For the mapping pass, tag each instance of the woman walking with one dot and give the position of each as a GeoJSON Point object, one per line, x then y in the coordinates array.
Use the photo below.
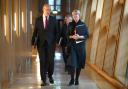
{"type": "Point", "coordinates": [77, 35]}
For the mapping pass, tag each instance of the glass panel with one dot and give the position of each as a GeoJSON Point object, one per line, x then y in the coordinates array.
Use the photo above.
{"type": "Point", "coordinates": [51, 2]}
{"type": "Point", "coordinates": [58, 2]}
{"type": "Point", "coordinates": [0, 8]}
{"type": "Point", "coordinates": [52, 8]}
{"type": "Point", "coordinates": [58, 8]}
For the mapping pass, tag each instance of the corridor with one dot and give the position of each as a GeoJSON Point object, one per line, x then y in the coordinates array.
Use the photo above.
{"type": "Point", "coordinates": [106, 48]}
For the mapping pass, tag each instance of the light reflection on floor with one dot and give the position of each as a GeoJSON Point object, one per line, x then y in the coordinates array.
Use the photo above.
{"type": "Point", "coordinates": [58, 56]}
{"type": "Point", "coordinates": [38, 68]}
{"type": "Point", "coordinates": [32, 80]}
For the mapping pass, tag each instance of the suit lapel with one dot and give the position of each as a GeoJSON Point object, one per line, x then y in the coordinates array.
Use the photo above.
{"type": "Point", "coordinates": [49, 20]}
{"type": "Point", "coordinates": [41, 22]}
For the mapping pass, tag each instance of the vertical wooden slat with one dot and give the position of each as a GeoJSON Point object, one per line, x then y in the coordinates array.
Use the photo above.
{"type": "Point", "coordinates": [91, 27]}
{"type": "Point", "coordinates": [88, 11]}
{"type": "Point", "coordinates": [113, 32]}
{"type": "Point", "coordinates": [106, 13]}
{"type": "Point", "coordinates": [101, 47]}
{"type": "Point", "coordinates": [95, 42]}
{"type": "Point", "coordinates": [122, 57]}
{"type": "Point", "coordinates": [96, 32]}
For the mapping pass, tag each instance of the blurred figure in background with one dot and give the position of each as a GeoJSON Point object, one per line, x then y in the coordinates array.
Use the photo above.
{"type": "Point", "coordinates": [63, 39]}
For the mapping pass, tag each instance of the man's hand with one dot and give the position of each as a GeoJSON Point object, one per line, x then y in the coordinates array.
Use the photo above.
{"type": "Point", "coordinates": [34, 51]}
{"type": "Point", "coordinates": [33, 46]}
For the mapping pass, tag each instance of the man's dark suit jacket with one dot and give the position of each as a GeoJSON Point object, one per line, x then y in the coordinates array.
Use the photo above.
{"type": "Point", "coordinates": [50, 34]}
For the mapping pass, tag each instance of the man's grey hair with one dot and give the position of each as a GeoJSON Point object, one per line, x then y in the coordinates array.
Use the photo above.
{"type": "Point", "coordinates": [46, 5]}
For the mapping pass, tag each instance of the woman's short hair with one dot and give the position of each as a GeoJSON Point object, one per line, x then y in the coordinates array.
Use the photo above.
{"type": "Point", "coordinates": [76, 11]}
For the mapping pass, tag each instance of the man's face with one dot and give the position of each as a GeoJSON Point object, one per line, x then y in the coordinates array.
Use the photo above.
{"type": "Point", "coordinates": [67, 20]}
{"type": "Point", "coordinates": [46, 10]}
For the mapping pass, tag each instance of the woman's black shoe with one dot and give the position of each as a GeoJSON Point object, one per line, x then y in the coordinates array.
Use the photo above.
{"type": "Point", "coordinates": [71, 82]}
{"type": "Point", "coordinates": [77, 82]}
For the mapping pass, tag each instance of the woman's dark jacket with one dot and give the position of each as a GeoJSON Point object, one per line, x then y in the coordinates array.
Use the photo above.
{"type": "Point", "coordinates": [78, 52]}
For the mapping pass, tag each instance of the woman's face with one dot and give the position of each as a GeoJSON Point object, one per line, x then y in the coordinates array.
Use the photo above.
{"type": "Point", "coordinates": [75, 16]}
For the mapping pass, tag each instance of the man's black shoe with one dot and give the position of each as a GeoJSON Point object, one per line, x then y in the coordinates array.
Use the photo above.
{"type": "Point", "coordinates": [51, 80]}
{"type": "Point", "coordinates": [44, 84]}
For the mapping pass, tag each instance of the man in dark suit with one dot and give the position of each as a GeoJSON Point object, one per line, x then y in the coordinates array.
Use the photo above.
{"type": "Point", "coordinates": [46, 34]}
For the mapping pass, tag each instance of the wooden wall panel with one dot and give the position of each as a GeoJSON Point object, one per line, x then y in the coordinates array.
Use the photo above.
{"type": "Point", "coordinates": [0, 44]}
{"type": "Point", "coordinates": [94, 42]}
{"type": "Point", "coordinates": [126, 76]}
{"type": "Point", "coordinates": [112, 36]}
{"type": "Point", "coordinates": [106, 13]}
{"type": "Point", "coordinates": [110, 56]}
{"type": "Point", "coordinates": [88, 47]}
{"type": "Point", "coordinates": [4, 43]}
{"type": "Point", "coordinates": [122, 57]}
{"type": "Point", "coordinates": [88, 12]}
{"type": "Point", "coordinates": [101, 48]}
{"type": "Point", "coordinates": [99, 10]}
{"type": "Point", "coordinates": [10, 49]}
{"type": "Point", "coordinates": [92, 22]}
{"type": "Point", "coordinates": [0, 30]}
{"type": "Point", "coordinates": [91, 27]}
{"type": "Point", "coordinates": [84, 10]}
{"type": "Point", "coordinates": [14, 50]}
{"type": "Point", "coordinates": [94, 6]}
{"type": "Point", "coordinates": [121, 71]}
{"type": "Point", "coordinates": [81, 6]}
{"type": "Point", "coordinates": [97, 29]}
{"type": "Point", "coordinates": [109, 49]}
{"type": "Point", "coordinates": [92, 16]}
{"type": "Point", "coordinates": [115, 20]}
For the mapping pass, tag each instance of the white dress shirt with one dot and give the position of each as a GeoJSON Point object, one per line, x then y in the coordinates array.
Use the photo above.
{"type": "Point", "coordinates": [44, 19]}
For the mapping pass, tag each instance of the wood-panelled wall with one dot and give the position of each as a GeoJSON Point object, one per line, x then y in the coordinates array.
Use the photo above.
{"type": "Point", "coordinates": [15, 37]}
{"type": "Point", "coordinates": [107, 47]}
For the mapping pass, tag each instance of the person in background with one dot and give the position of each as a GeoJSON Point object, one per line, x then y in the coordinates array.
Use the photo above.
{"type": "Point", "coordinates": [77, 35]}
{"type": "Point", "coordinates": [46, 34]}
{"type": "Point", "coordinates": [63, 34]}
